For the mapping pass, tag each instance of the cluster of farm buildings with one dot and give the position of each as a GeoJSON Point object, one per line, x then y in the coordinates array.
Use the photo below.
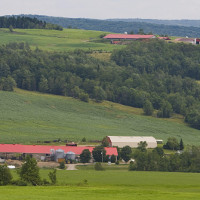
{"type": "Point", "coordinates": [60, 153]}
{"type": "Point", "coordinates": [120, 38]}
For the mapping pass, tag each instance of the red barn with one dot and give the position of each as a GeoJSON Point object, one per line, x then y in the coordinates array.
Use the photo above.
{"type": "Point", "coordinates": [39, 151]}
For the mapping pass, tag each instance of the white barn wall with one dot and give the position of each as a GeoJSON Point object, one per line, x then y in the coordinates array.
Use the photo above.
{"type": "Point", "coordinates": [133, 141]}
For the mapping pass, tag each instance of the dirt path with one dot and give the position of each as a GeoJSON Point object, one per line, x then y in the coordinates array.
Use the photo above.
{"type": "Point", "coordinates": [71, 167]}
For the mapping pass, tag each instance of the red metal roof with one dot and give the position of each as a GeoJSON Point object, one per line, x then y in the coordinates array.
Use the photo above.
{"type": "Point", "coordinates": [43, 149]}
{"type": "Point", "coordinates": [128, 36]}
{"type": "Point", "coordinates": [164, 38]}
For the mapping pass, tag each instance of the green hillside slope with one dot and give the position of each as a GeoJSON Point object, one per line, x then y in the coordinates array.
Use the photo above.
{"type": "Point", "coordinates": [27, 117]}
{"type": "Point", "coordinates": [68, 39]}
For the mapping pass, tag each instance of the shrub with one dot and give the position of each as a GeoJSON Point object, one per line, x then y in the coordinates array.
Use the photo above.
{"type": "Point", "coordinates": [19, 182]}
{"type": "Point", "coordinates": [98, 167]}
{"type": "Point", "coordinates": [117, 162]}
{"type": "Point", "coordinates": [132, 166]}
{"type": "Point", "coordinates": [62, 165]}
{"type": "Point", "coordinates": [52, 176]}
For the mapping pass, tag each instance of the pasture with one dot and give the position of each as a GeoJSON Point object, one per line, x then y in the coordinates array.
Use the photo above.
{"type": "Point", "coordinates": [111, 184]}
{"type": "Point", "coordinates": [52, 40]}
{"type": "Point", "coordinates": [27, 117]}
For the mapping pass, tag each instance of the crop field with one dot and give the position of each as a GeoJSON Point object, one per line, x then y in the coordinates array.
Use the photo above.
{"type": "Point", "coordinates": [110, 184]}
{"type": "Point", "coordinates": [52, 40]}
{"type": "Point", "coordinates": [27, 117]}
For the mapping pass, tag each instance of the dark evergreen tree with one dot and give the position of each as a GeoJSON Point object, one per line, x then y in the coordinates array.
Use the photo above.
{"type": "Point", "coordinates": [181, 145]}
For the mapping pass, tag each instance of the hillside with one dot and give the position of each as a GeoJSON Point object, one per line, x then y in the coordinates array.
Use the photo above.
{"type": "Point", "coordinates": [181, 22]}
{"type": "Point", "coordinates": [121, 26]}
{"type": "Point", "coordinates": [53, 40]}
{"type": "Point", "coordinates": [27, 117]}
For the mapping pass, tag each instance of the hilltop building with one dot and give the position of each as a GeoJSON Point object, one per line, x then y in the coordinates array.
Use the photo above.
{"type": "Point", "coordinates": [188, 40]}
{"type": "Point", "coordinates": [128, 37]}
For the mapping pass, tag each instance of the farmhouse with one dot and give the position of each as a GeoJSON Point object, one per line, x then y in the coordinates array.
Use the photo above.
{"type": "Point", "coordinates": [43, 152]}
{"type": "Point", "coordinates": [131, 141]}
{"type": "Point", "coordinates": [128, 37]}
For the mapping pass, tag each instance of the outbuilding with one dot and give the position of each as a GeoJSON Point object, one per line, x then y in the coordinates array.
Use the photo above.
{"type": "Point", "coordinates": [131, 141]}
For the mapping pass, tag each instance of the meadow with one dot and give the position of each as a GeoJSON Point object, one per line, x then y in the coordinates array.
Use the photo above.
{"type": "Point", "coordinates": [27, 117]}
{"type": "Point", "coordinates": [52, 40]}
{"type": "Point", "coordinates": [111, 184]}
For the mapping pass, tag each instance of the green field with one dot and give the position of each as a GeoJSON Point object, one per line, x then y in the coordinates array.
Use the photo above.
{"type": "Point", "coordinates": [110, 184]}
{"type": "Point", "coordinates": [28, 117]}
{"type": "Point", "coordinates": [52, 40]}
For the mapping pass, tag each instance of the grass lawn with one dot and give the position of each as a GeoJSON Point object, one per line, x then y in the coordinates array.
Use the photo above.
{"type": "Point", "coordinates": [28, 117]}
{"type": "Point", "coordinates": [52, 40]}
{"type": "Point", "coordinates": [111, 184]}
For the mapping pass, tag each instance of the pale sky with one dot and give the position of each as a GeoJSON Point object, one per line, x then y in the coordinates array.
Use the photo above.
{"type": "Point", "coordinates": [104, 9]}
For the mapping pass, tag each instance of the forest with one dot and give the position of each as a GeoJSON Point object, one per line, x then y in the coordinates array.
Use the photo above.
{"type": "Point", "coordinates": [154, 75]}
{"type": "Point", "coordinates": [26, 23]}
{"type": "Point", "coordinates": [121, 26]}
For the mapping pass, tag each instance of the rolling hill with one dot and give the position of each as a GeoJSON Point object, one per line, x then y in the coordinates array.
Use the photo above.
{"type": "Point", "coordinates": [53, 40]}
{"type": "Point", "coordinates": [173, 29]}
{"type": "Point", "coordinates": [28, 117]}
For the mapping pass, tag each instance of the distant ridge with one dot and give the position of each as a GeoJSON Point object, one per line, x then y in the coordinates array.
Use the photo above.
{"type": "Point", "coordinates": [158, 27]}
{"type": "Point", "coordinates": [177, 22]}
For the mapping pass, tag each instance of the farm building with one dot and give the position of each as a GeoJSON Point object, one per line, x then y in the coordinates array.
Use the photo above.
{"type": "Point", "coordinates": [43, 152]}
{"type": "Point", "coordinates": [131, 141]}
{"type": "Point", "coordinates": [188, 40]}
{"type": "Point", "coordinates": [128, 37]}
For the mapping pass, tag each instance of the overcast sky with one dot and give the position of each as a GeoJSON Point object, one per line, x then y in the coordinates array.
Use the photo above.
{"type": "Point", "coordinates": [103, 9]}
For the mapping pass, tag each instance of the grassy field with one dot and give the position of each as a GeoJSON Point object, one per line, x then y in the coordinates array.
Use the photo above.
{"type": "Point", "coordinates": [28, 117]}
{"type": "Point", "coordinates": [52, 40]}
{"type": "Point", "coordinates": [111, 184]}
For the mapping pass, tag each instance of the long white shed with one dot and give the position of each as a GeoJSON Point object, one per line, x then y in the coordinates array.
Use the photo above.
{"type": "Point", "coordinates": [131, 141]}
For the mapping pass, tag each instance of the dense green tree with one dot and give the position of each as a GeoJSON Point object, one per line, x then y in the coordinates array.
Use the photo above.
{"type": "Point", "coordinates": [148, 108]}
{"type": "Point", "coordinates": [126, 153]}
{"type": "Point", "coordinates": [99, 154]}
{"type": "Point", "coordinates": [7, 84]}
{"type": "Point", "coordinates": [172, 143]}
{"type": "Point", "coordinates": [85, 156]}
{"type": "Point", "coordinates": [142, 146]}
{"type": "Point", "coordinates": [105, 142]}
{"type": "Point", "coordinates": [29, 171]}
{"type": "Point", "coordinates": [5, 175]}
{"type": "Point", "coordinates": [43, 85]}
{"type": "Point", "coordinates": [165, 110]}
{"type": "Point", "coordinates": [113, 159]}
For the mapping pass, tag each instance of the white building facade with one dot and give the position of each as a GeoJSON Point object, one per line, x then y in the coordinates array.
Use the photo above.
{"type": "Point", "coordinates": [131, 141]}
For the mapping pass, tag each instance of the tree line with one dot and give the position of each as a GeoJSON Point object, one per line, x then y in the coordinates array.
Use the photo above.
{"type": "Point", "coordinates": [149, 75]}
{"type": "Point", "coordinates": [23, 22]}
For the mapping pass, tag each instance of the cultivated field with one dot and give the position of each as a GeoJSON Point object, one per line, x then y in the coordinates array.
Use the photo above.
{"type": "Point", "coordinates": [52, 40]}
{"type": "Point", "coordinates": [110, 184]}
{"type": "Point", "coordinates": [28, 117]}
